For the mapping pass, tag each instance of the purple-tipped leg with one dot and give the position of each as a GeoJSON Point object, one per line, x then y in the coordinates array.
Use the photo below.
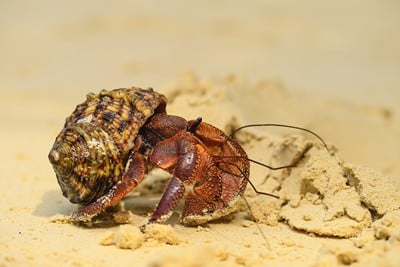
{"type": "Point", "coordinates": [172, 195]}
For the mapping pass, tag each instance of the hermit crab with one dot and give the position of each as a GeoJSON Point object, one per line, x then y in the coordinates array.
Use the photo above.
{"type": "Point", "coordinates": [114, 138]}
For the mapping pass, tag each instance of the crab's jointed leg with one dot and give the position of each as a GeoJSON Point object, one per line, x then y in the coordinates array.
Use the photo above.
{"type": "Point", "coordinates": [171, 197]}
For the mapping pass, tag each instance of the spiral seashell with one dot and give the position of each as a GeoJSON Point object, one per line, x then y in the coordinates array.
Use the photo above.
{"type": "Point", "coordinates": [90, 153]}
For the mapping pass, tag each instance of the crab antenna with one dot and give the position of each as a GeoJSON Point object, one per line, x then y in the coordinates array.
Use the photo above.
{"type": "Point", "coordinates": [258, 162]}
{"type": "Point", "coordinates": [281, 125]}
{"type": "Point", "coordinates": [258, 226]}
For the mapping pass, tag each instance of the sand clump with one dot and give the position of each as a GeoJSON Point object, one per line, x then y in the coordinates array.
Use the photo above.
{"type": "Point", "coordinates": [328, 205]}
{"type": "Point", "coordinates": [328, 197]}
{"type": "Point", "coordinates": [128, 237]}
{"type": "Point", "coordinates": [132, 237]}
{"type": "Point", "coordinates": [374, 188]}
{"type": "Point", "coordinates": [162, 234]}
{"type": "Point", "coordinates": [336, 198]}
{"type": "Point", "coordinates": [61, 219]}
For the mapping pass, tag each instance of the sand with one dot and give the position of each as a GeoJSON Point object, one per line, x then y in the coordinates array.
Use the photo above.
{"type": "Point", "coordinates": [330, 211]}
{"type": "Point", "coordinates": [333, 70]}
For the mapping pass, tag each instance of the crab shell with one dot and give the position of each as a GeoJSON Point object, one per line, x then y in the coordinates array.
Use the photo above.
{"type": "Point", "coordinates": [90, 153]}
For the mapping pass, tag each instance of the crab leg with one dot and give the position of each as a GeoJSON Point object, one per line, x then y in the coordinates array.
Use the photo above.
{"type": "Point", "coordinates": [169, 155]}
{"type": "Point", "coordinates": [172, 195]}
{"type": "Point", "coordinates": [131, 178]}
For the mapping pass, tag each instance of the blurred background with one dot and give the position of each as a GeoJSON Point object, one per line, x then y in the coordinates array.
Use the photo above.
{"type": "Point", "coordinates": [344, 49]}
{"type": "Point", "coordinates": [53, 52]}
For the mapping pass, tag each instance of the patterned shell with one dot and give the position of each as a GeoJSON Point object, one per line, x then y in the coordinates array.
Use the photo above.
{"type": "Point", "coordinates": [90, 153]}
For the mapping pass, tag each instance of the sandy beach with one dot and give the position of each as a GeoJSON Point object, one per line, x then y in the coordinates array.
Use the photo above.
{"type": "Point", "coordinates": [334, 70]}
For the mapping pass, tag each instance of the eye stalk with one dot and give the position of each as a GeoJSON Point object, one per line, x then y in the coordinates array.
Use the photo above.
{"type": "Point", "coordinates": [192, 128]}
